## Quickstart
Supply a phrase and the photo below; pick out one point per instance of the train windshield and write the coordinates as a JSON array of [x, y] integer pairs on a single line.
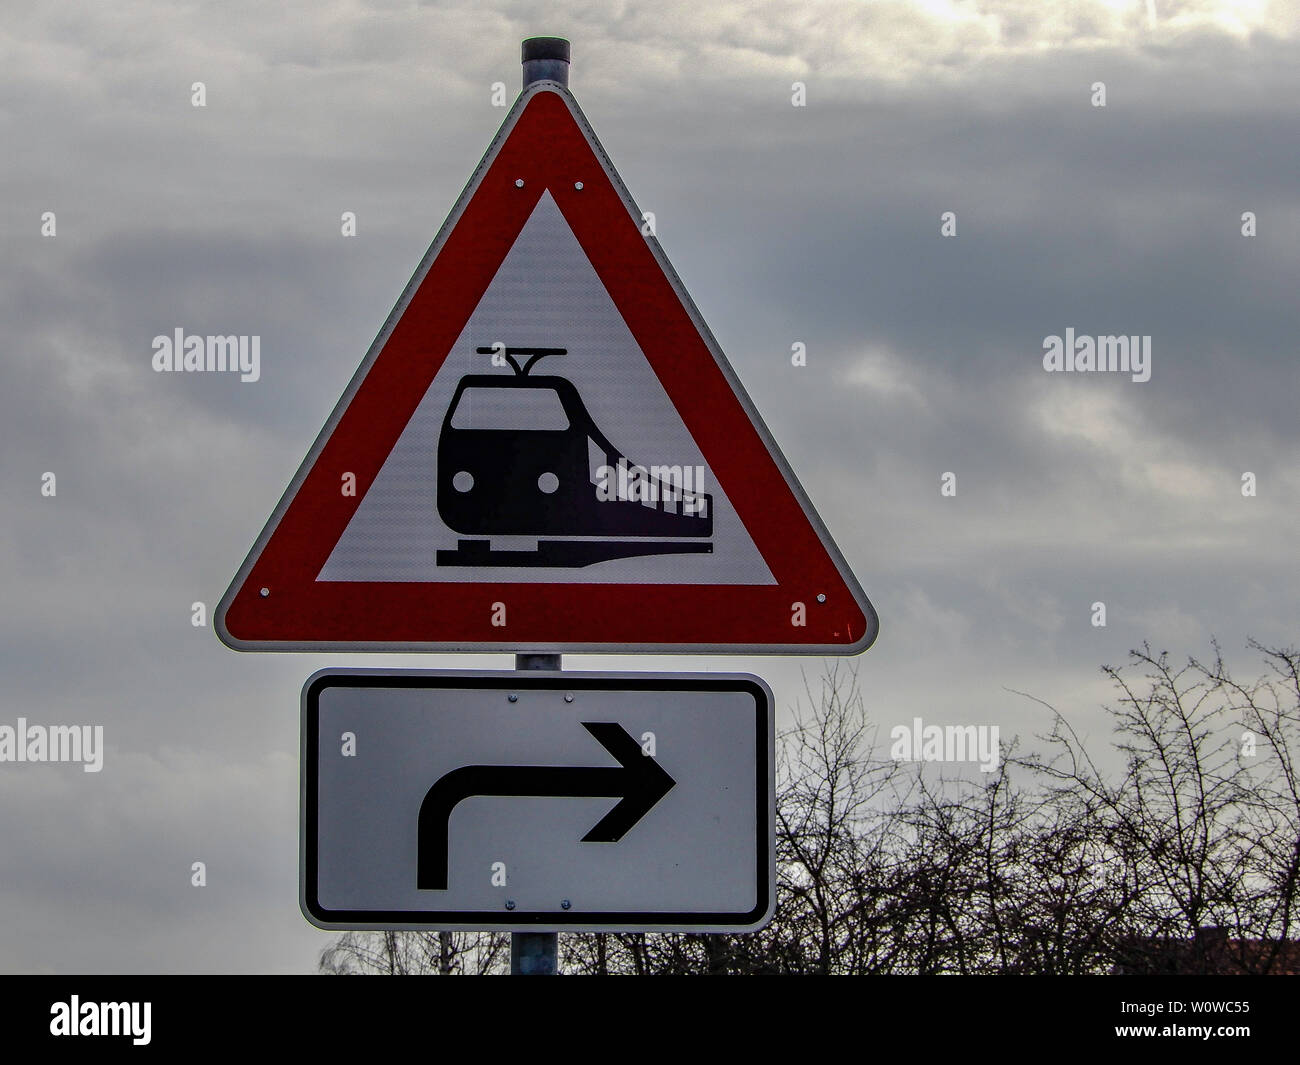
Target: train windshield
[[510, 409]]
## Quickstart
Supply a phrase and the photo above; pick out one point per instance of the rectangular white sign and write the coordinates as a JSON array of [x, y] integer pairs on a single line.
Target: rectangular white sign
[[537, 801]]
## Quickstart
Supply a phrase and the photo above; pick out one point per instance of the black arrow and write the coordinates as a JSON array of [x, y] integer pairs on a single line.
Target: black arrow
[[638, 781]]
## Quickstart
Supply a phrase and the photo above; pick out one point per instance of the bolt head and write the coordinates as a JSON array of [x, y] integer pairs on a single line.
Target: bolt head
[[565, 904], [510, 904], [513, 698]]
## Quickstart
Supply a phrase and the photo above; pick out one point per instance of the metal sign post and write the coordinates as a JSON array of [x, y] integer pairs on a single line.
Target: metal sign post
[[536, 953]]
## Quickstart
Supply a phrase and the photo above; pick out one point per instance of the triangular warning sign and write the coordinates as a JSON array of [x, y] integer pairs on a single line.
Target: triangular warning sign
[[545, 450]]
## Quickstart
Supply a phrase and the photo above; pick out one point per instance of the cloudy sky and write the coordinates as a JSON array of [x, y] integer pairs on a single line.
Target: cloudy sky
[[818, 224]]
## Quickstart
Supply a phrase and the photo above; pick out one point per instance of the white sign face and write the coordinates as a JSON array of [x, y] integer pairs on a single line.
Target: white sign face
[[537, 801], [546, 293]]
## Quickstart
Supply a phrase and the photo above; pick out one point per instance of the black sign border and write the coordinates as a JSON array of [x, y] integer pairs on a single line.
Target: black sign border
[[534, 920]]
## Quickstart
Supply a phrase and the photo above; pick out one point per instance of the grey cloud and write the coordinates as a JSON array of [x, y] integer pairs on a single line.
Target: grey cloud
[[817, 224]]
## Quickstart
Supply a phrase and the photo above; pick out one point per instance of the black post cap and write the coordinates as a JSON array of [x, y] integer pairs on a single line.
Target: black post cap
[[555, 48]]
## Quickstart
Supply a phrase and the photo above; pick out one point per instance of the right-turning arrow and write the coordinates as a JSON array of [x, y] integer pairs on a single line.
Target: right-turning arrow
[[638, 781]]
